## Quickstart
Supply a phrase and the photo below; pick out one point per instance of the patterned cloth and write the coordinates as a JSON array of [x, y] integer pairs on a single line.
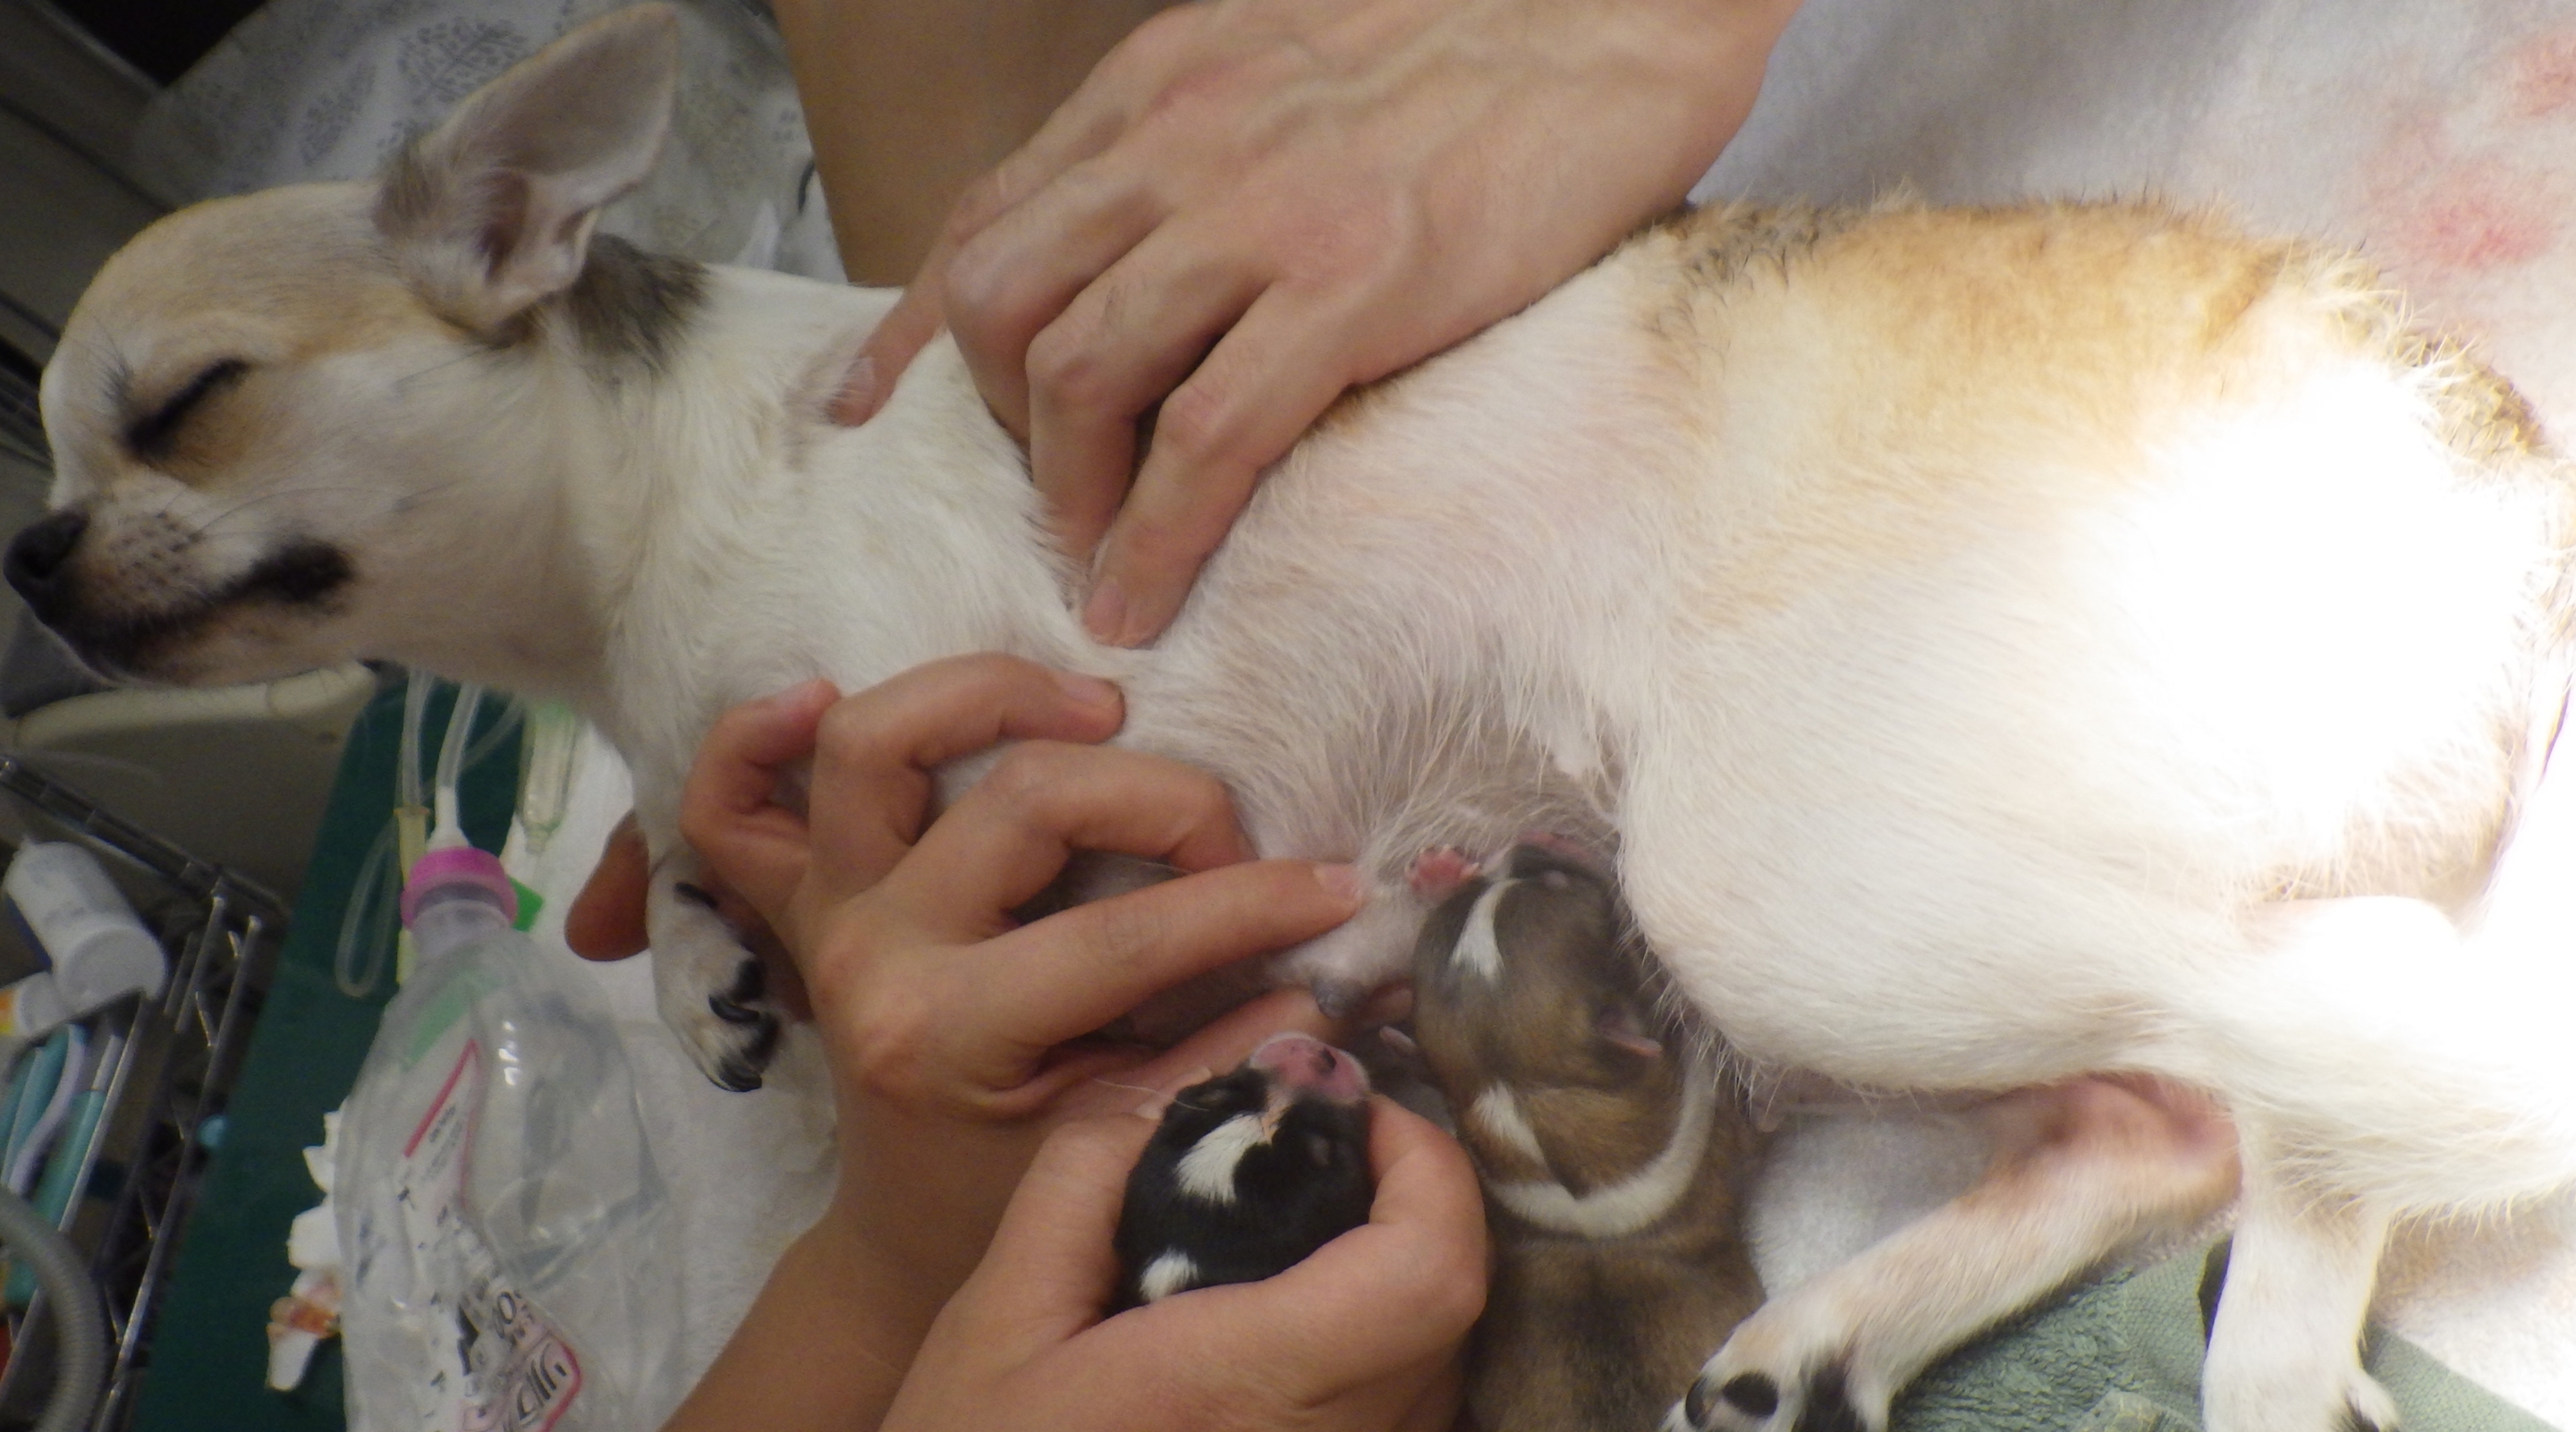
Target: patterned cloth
[[324, 89]]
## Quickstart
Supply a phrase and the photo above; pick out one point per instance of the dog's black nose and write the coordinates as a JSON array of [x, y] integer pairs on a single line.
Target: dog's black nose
[[36, 556]]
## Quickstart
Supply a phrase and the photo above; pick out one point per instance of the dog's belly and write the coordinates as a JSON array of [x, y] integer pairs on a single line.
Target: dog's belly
[[1929, 764]]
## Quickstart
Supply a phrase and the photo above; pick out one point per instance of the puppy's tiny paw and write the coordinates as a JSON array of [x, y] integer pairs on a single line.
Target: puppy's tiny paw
[[1440, 870]]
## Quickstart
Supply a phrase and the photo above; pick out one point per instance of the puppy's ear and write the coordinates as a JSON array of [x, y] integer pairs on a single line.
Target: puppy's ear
[[493, 210]]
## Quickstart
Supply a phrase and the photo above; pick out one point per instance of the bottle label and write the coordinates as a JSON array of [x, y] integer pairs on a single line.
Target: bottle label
[[510, 1371]]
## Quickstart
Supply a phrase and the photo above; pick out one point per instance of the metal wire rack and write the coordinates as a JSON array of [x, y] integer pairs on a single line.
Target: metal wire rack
[[172, 1072]]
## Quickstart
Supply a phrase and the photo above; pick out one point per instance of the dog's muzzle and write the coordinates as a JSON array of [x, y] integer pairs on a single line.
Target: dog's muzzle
[[38, 559]]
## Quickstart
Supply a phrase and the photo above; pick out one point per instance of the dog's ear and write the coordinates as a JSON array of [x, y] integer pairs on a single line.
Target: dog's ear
[[493, 210]]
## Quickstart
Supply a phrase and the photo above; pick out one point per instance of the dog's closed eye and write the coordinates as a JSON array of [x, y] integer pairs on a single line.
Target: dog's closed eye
[[155, 434]]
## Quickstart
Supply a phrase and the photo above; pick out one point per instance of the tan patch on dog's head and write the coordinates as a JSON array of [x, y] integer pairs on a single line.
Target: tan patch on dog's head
[[173, 358], [200, 409]]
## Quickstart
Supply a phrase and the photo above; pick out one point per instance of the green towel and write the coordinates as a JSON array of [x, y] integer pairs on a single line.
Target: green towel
[[2123, 1355]]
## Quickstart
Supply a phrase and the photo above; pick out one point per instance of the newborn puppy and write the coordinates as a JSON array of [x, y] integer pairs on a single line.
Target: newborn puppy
[[1250, 1172], [1612, 1154]]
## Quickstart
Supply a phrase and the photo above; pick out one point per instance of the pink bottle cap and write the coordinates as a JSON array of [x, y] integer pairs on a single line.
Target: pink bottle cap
[[459, 865]]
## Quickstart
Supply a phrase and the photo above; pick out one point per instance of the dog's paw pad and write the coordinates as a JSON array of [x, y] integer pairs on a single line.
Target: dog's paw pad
[[1727, 1397], [1781, 1381], [713, 994]]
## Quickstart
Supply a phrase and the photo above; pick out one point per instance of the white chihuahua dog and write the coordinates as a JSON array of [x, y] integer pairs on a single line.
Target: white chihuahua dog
[[2000, 645]]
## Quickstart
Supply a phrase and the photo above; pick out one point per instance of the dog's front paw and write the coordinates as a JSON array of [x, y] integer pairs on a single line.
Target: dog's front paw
[[1783, 1371], [711, 990]]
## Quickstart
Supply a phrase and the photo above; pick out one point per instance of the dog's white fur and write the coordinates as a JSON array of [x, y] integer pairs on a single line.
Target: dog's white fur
[[2004, 645]]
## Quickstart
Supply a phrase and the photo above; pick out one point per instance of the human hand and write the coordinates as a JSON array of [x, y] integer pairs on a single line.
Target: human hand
[[606, 919], [949, 1027], [1365, 1333], [1252, 205]]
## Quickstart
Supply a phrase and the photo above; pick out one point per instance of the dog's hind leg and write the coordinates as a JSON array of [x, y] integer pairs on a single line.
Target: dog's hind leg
[[709, 988], [2079, 1170], [2388, 1057], [2378, 1064], [2284, 1346]]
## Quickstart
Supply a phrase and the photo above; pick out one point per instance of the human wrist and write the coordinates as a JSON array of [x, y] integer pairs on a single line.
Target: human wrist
[[921, 1196]]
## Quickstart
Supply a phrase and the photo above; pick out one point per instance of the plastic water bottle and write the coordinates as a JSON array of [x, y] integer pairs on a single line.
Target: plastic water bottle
[[494, 1178]]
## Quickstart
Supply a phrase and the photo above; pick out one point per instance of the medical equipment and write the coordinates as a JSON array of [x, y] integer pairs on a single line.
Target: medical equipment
[[159, 1071]]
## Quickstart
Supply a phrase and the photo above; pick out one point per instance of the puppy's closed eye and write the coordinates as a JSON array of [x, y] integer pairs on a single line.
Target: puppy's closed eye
[[154, 435]]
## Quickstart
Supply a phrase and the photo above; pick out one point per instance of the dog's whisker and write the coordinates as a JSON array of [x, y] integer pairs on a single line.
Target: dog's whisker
[[412, 500], [402, 385], [1119, 1084]]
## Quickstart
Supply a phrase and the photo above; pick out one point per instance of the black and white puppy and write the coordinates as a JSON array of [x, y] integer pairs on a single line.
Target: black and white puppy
[[1249, 1172]]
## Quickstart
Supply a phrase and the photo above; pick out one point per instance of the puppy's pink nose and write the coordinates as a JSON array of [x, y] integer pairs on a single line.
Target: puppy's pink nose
[[1302, 1061]]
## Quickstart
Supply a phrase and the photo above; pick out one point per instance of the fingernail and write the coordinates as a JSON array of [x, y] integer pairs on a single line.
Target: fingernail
[[1105, 614], [1342, 882], [1088, 690], [799, 694], [856, 402], [809, 694]]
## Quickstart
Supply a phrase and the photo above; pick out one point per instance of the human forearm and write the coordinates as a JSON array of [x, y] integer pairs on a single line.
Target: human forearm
[[823, 1346], [908, 102]]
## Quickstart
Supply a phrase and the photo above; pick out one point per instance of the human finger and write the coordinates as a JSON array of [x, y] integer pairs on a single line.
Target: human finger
[[876, 750], [1073, 132], [728, 810], [1400, 1288], [1117, 347], [606, 920], [1270, 376], [1009, 282], [891, 346], [1049, 1268], [1010, 834], [1078, 969]]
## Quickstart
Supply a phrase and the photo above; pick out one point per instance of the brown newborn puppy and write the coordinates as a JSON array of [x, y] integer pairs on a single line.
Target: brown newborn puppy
[[1612, 1151]]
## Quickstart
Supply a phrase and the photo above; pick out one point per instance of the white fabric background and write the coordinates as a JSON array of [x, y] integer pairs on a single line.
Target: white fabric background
[[2439, 136]]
